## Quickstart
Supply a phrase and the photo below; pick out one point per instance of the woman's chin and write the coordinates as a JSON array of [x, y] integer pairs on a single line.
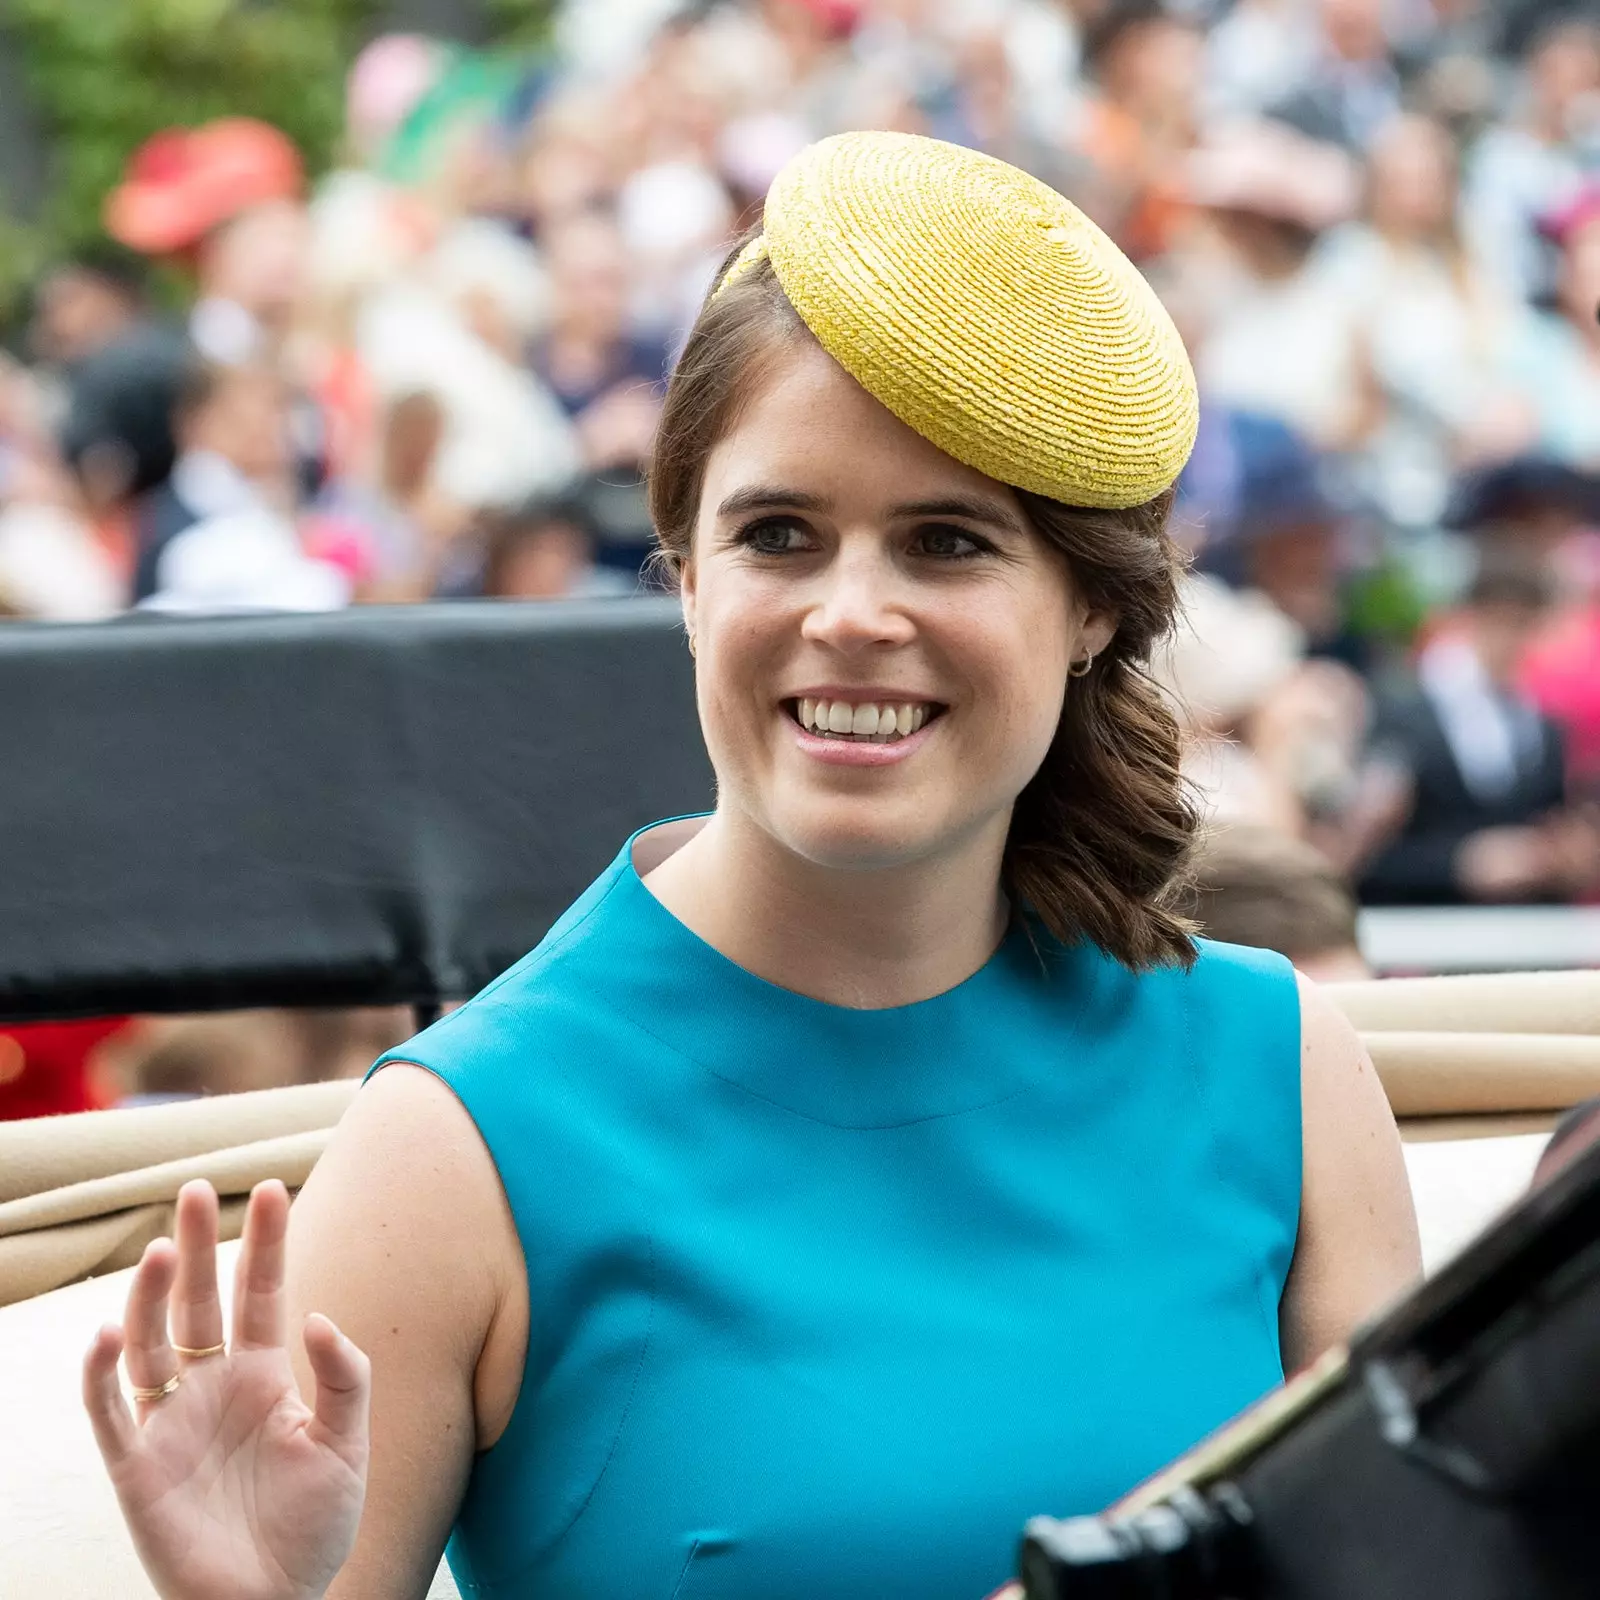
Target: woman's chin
[[859, 835]]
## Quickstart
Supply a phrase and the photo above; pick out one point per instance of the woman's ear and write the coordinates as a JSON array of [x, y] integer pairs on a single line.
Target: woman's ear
[[1099, 628]]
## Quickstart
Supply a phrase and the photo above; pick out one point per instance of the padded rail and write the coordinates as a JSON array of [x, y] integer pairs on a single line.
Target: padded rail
[[385, 805]]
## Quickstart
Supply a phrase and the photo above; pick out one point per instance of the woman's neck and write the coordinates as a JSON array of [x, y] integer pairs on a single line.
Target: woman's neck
[[866, 939]]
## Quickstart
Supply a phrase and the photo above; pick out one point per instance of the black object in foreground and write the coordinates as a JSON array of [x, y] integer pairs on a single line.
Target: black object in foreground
[[1453, 1451], [387, 805]]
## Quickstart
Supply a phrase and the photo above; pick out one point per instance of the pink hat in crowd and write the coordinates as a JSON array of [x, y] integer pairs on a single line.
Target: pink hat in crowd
[[1270, 170], [183, 182], [1578, 212]]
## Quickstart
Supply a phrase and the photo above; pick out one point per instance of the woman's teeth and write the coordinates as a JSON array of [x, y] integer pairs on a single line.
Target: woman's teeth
[[880, 723]]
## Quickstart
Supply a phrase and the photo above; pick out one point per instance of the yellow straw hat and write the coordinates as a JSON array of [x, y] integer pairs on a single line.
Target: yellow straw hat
[[986, 312]]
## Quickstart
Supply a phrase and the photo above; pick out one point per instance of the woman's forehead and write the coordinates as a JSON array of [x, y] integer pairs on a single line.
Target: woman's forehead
[[808, 424]]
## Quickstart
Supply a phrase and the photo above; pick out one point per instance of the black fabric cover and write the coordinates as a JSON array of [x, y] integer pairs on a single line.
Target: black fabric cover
[[383, 805]]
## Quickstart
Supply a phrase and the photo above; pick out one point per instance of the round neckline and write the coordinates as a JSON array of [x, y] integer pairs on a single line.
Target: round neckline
[[863, 1068]]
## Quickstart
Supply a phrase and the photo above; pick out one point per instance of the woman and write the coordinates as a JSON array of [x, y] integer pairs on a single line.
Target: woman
[[859, 1169], [1429, 327]]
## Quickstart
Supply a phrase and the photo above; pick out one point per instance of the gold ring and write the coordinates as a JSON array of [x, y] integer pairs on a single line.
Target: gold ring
[[197, 1355], [161, 1391]]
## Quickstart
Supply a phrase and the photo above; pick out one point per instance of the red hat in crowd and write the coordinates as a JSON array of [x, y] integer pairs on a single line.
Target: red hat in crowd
[[183, 182]]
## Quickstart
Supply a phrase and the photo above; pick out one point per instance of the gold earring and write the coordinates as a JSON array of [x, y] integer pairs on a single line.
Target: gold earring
[[691, 644], [1080, 669]]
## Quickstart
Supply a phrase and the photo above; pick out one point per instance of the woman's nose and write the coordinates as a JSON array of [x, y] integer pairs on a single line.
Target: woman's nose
[[858, 603]]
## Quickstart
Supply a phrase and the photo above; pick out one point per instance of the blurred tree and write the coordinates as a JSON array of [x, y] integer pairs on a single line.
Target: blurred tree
[[102, 75]]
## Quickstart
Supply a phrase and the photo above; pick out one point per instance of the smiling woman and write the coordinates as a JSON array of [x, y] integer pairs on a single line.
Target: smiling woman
[[783, 470], [873, 1163]]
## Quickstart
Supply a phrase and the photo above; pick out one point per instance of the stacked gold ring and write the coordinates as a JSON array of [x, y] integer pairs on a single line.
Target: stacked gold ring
[[986, 312], [199, 1355], [160, 1391]]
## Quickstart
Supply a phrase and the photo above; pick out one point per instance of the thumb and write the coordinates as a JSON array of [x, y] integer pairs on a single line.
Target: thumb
[[344, 1388]]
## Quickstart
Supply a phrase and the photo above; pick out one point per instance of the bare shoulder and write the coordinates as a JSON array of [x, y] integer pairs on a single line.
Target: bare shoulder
[[1357, 1247], [407, 1185]]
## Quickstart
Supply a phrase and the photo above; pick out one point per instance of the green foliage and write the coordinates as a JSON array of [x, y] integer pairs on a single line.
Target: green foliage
[[105, 74]]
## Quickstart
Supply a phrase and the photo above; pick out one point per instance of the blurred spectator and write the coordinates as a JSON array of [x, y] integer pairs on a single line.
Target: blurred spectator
[[1525, 168], [424, 332], [1258, 887], [117, 432], [1556, 358], [1489, 818], [1231, 652], [1429, 330], [1351, 89], [543, 549], [1255, 49], [1135, 132], [1287, 537], [231, 429], [226, 198], [85, 303], [605, 377], [1269, 337]]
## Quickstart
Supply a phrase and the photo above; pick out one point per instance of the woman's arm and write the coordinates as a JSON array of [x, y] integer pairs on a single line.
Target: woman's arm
[[403, 1237], [1358, 1246]]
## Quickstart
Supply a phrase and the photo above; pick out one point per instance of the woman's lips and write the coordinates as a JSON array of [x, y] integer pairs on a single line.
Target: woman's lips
[[847, 751]]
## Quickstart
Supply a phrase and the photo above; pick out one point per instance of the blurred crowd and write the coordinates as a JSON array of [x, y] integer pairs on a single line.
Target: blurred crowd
[[435, 370]]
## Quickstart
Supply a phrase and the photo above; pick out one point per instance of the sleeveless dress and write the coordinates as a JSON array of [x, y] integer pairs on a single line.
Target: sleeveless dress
[[827, 1302]]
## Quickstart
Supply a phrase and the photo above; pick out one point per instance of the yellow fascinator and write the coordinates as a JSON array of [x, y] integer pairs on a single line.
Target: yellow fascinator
[[985, 311]]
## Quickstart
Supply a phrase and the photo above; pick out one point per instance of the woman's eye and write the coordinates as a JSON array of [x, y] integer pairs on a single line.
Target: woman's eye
[[773, 537], [950, 543]]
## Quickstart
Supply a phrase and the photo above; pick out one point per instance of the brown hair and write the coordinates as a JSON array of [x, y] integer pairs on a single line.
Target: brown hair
[[1256, 886], [1102, 830]]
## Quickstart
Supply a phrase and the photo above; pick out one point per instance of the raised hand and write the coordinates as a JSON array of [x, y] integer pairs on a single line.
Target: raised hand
[[232, 1487]]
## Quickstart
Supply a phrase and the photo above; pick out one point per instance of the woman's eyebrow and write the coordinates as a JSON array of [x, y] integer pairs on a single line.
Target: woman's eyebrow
[[764, 495], [974, 510]]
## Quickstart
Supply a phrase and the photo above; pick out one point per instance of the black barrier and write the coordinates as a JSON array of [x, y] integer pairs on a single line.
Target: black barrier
[[385, 805]]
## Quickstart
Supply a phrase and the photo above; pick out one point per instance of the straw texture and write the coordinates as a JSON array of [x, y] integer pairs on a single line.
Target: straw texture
[[986, 312]]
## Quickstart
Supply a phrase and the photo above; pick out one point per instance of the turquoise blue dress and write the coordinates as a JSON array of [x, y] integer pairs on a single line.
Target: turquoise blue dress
[[828, 1302]]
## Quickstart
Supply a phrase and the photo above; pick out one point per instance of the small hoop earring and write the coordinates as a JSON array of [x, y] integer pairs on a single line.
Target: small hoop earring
[[1080, 669], [691, 644]]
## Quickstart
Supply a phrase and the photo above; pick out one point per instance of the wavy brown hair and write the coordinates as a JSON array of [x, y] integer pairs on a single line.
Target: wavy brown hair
[[1101, 836]]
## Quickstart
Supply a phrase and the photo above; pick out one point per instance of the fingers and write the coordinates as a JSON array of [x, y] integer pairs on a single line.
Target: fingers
[[344, 1387], [148, 1354], [113, 1424], [260, 1319], [196, 1306]]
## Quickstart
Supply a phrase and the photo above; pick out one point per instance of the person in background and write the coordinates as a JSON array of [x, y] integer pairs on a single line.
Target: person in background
[[542, 549], [1267, 335], [1489, 818], [1256, 886], [1555, 360], [1352, 89], [1288, 539], [1140, 124], [225, 199], [604, 377], [231, 427], [1430, 328], [1523, 169], [85, 303]]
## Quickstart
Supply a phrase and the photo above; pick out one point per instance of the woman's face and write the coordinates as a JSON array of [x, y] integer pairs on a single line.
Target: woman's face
[[846, 573], [1412, 179]]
